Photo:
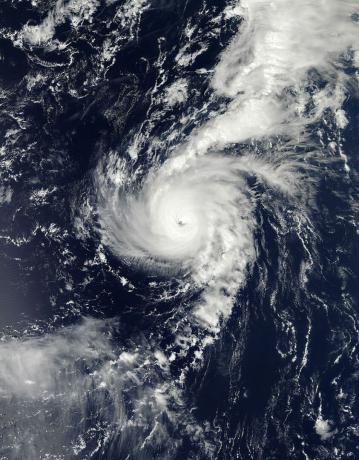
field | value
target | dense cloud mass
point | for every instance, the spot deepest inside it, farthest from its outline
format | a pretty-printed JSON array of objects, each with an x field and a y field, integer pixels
[{"x": 179, "y": 185}]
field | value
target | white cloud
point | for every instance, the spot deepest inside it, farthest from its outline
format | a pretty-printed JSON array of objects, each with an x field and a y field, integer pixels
[{"x": 324, "y": 428}]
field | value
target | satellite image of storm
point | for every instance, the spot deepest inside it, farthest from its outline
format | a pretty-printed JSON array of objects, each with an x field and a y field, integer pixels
[{"x": 179, "y": 215}]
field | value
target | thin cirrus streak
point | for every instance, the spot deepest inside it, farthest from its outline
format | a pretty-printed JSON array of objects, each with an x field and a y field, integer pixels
[
  {"x": 266, "y": 69},
  {"x": 269, "y": 72},
  {"x": 195, "y": 211}
]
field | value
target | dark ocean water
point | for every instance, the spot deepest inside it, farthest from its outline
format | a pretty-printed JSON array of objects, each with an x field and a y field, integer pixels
[{"x": 101, "y": 357}]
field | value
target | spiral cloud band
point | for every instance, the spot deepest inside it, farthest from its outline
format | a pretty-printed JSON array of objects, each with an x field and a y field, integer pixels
[
  {"x": 193, "y": 216},
  {"x": 194, "y": 213}
]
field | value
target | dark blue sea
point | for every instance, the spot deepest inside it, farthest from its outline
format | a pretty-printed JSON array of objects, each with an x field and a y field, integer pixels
[{"x": 178, "y": 230}]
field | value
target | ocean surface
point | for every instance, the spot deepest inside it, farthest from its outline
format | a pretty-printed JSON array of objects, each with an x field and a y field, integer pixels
[{"x": 178, "y": 229}]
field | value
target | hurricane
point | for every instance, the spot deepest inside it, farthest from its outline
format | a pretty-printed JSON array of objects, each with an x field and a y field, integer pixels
[
  {"x": 179, "y": 233},
  {"x": 195, "y": 218}
]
